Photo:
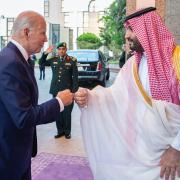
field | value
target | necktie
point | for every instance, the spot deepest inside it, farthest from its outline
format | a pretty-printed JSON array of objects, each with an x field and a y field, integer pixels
[
  {"x": 30, "y": 63},
  {"x": 31, "y": 70}
]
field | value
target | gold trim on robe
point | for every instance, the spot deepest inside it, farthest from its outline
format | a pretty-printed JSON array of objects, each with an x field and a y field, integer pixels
[
  {"x": 139, "y": 84},
  {"x": 176, "y": 62}
]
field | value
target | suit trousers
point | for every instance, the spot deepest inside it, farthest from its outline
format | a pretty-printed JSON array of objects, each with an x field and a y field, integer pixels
[
  {"x": 42, "y": 73},
  {"x": 16, "y": 175}
]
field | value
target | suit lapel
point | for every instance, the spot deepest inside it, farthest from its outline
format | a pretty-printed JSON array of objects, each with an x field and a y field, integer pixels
[
  {"x": 29, "y": 69},
  {"x": 31, "y": 72}
]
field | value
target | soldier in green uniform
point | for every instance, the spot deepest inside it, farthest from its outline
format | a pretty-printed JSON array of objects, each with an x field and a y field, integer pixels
[{"x": 64, "y": 76}]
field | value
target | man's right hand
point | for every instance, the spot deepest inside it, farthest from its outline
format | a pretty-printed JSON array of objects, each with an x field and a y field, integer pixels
[
  {"x": 81, "y": 97},
  {"x": 49, "y": 49},
  {"x": 66, "y": 97}
]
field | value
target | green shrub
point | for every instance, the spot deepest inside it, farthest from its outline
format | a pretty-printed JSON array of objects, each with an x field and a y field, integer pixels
[{"x": 88, "y": 41}]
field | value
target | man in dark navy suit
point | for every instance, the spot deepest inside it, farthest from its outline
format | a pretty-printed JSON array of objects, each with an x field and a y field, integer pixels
[{"x": 19, "y": 109}]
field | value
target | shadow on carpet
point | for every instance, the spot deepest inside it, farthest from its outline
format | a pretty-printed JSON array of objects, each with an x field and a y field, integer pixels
[{"x": 60, "y": 167}]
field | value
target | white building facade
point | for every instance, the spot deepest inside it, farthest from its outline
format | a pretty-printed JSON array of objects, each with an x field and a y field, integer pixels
[{"x": 56, "y": 32}]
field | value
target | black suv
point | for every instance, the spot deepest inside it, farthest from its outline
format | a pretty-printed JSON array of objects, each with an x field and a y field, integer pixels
[{"x": 92, "y": 65}]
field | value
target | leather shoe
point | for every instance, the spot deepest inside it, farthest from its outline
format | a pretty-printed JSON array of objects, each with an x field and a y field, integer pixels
[
  {"x": 59, "y": 135},
  {"x": 67, "y": 136}
]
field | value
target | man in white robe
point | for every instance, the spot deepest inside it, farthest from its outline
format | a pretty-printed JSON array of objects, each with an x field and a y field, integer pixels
[{"x": 131, "y": 130}]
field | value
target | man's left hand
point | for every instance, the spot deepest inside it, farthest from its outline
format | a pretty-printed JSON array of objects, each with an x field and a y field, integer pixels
[{"x": 170, "y": 164}]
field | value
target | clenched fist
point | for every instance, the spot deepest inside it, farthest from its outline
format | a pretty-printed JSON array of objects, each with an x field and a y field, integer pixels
[
  {"x": 66, "y": 97},
  {"x": 81, "y": 97}
]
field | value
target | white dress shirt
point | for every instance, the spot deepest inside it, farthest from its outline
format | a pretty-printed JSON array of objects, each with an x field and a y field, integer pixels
[
  {"x": 21, "y": 49},
  {"x": 144, "y": 78},
  {"x": 26, "y": 56}
]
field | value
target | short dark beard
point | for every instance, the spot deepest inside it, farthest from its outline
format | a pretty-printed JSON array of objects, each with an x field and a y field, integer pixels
[{"x": 136, "y": 46}]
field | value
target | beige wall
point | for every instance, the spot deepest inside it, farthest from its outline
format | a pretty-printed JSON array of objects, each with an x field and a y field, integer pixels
[
  {"x": 160, "y": 5},
  {"x": 172, "y": 17},
  {"x": 145, "y": 3},
  {"x": 130, "y": 6},
  {"x": 169, "y": 10},
  {"x": 133, "y": 5}
]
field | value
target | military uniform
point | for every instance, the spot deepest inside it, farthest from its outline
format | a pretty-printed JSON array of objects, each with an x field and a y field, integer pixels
[{"x": 64, "y": 76}]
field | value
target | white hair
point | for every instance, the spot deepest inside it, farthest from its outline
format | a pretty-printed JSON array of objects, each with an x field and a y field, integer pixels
[{"x": 26, "y": 19}]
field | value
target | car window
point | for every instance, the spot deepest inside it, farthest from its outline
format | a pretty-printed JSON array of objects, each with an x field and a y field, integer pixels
[{"x": 83, "y": 55}]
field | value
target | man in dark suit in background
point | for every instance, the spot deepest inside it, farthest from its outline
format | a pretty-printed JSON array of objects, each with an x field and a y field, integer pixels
[
  {"x": 33, "y": 60},
  {"x": 65, "y": 76},
  {"x": 42, "y": 72},
  {"x": 125, "y": 55},
  {"x": 19, "y": 109}
]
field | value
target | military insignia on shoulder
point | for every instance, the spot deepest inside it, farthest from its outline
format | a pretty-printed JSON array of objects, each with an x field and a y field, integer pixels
[
  {"x": 73, "y": 58},
  {"x": 68, "y": 59}
]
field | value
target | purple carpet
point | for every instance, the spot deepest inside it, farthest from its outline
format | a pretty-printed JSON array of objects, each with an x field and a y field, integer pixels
[{"x": 60, "y": 167}]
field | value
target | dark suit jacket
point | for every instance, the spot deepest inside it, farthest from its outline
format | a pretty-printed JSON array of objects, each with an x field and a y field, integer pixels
[
  {"x": 19, "y": 113},
  {"x": 122, "y": 59}
]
